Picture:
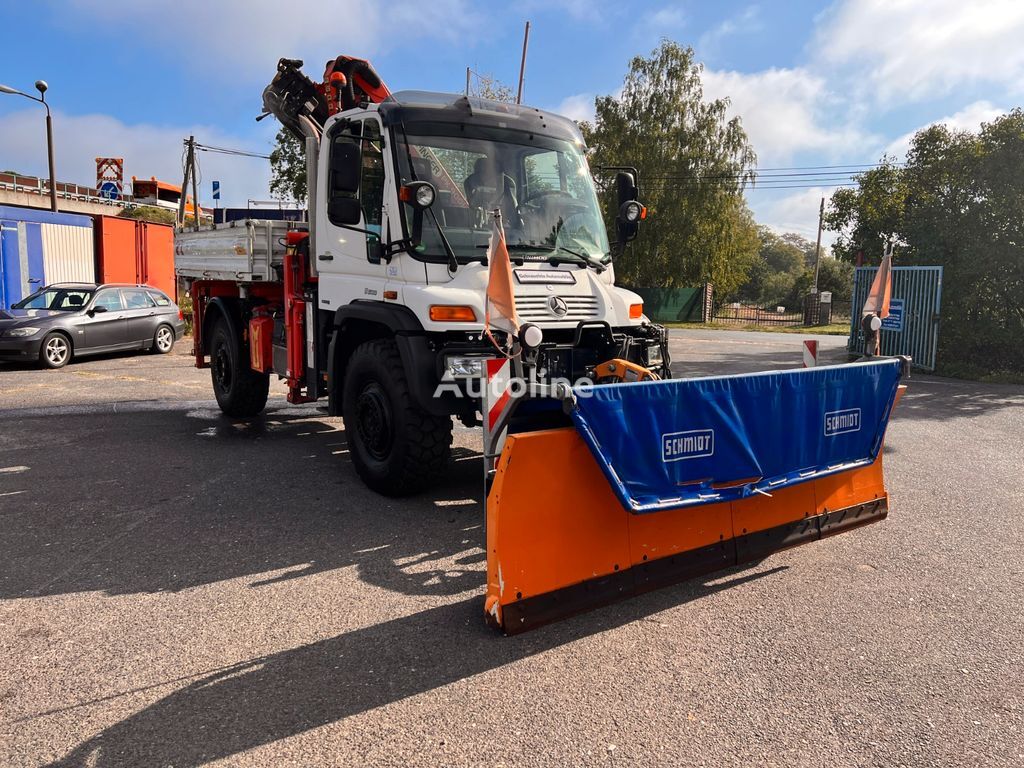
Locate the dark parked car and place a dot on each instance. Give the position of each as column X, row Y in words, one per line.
column 66, row 320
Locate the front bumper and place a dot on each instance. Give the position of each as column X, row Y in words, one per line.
column 20, row 349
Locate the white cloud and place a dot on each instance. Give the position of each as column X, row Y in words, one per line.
column 148, row 150
column 784, row 112
column 243, row 39
column 917, row 49
column 746, row 21
column 796, row 212
column 969, row 118
column 579, row 106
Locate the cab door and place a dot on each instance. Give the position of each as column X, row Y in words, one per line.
column 353, row 220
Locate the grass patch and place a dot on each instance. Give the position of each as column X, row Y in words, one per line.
column 835, row 329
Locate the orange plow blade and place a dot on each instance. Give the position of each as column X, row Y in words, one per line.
column 559, row 541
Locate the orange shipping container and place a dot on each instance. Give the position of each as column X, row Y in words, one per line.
column 130, row 251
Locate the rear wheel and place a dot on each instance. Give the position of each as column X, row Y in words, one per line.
column 55, row 351
column 241, row 392
column 163, row 340
column 397, row 448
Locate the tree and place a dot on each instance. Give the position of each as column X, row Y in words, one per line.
column 490, row 87
column 958, row 202
column 288, row 168
column 866, row 216
column 693, row 162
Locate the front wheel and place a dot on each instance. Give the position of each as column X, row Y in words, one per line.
column 241, row 392
column 55, row 351
column 397, row 447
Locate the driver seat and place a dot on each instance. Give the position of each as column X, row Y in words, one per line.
column 487, row 187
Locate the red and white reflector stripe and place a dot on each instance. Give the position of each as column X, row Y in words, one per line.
column 497, row 389
column 810, row 353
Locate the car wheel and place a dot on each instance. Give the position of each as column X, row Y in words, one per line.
column 241, row 392
column 55, row 351
column 397, row 448
column 163, row 340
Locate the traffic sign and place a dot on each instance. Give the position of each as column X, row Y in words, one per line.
column 216, row 190
column 109, row 190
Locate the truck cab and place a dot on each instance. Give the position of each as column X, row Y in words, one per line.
column 380, row 304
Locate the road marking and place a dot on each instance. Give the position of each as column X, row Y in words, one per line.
column 12, row 470
column 12, row 493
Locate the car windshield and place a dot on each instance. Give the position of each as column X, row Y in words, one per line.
column 64, row 299
column 542, row 186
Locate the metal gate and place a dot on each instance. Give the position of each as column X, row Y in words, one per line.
column 912, row 327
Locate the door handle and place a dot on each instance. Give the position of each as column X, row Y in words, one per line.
column 326, row 257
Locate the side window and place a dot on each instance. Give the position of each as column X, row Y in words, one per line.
column 110, row 300
column 160, row 299
column 371, row 180
column 136, row 299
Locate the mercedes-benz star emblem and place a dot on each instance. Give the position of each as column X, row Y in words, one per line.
column 557, row 306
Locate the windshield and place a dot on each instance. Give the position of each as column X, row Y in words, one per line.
column 541, row 185
column 65, row 299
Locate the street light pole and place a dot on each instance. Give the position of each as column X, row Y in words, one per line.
column 41, row 86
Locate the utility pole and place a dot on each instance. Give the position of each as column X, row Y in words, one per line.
column 817, row 248
column 195, row 184
column 522, row 65
column 467, row 81
column 184, row 182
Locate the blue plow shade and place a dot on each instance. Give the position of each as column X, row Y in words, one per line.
column 674, row 443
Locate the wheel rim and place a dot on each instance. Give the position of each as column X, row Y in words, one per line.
column 57, row 351
column 221, row 367
column 163, row 339
column 373, row 421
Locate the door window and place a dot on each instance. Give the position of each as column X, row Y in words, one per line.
column 109, row 300
column 135, row 299
column 371, row 181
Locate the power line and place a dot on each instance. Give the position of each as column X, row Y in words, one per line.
column 229, row 151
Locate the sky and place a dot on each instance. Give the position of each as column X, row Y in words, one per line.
column 815, row 84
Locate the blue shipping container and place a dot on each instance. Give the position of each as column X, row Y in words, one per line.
column 40, row 247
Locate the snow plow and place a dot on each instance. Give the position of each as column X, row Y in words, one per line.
column 657, row 482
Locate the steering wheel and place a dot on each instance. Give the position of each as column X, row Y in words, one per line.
column 548, row 193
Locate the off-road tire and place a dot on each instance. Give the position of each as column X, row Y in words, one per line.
column 397, row 448
column 241, row 392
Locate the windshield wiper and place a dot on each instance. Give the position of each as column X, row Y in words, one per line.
column 582, row 257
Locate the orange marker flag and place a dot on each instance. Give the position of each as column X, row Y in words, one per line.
column 881, row 289
column 500, row 293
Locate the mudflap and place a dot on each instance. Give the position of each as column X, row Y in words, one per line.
column 561, row 539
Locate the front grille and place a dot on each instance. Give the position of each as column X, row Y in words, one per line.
column 535, row 309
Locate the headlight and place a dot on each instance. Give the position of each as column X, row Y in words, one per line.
column 459, row 367
column 654, row 357
column 20, row 333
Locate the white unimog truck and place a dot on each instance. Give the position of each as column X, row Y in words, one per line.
column 381, row 297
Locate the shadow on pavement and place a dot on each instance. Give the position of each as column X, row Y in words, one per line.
column 164, row 501
column 933, row 398
column 276, row 696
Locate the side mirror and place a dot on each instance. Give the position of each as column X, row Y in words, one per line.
column 96, row 310
column 631, row 213
column 344, row 210
column 344, row 169
column 420, row 195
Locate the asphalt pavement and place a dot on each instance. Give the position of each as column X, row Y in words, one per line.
column 178, row 589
